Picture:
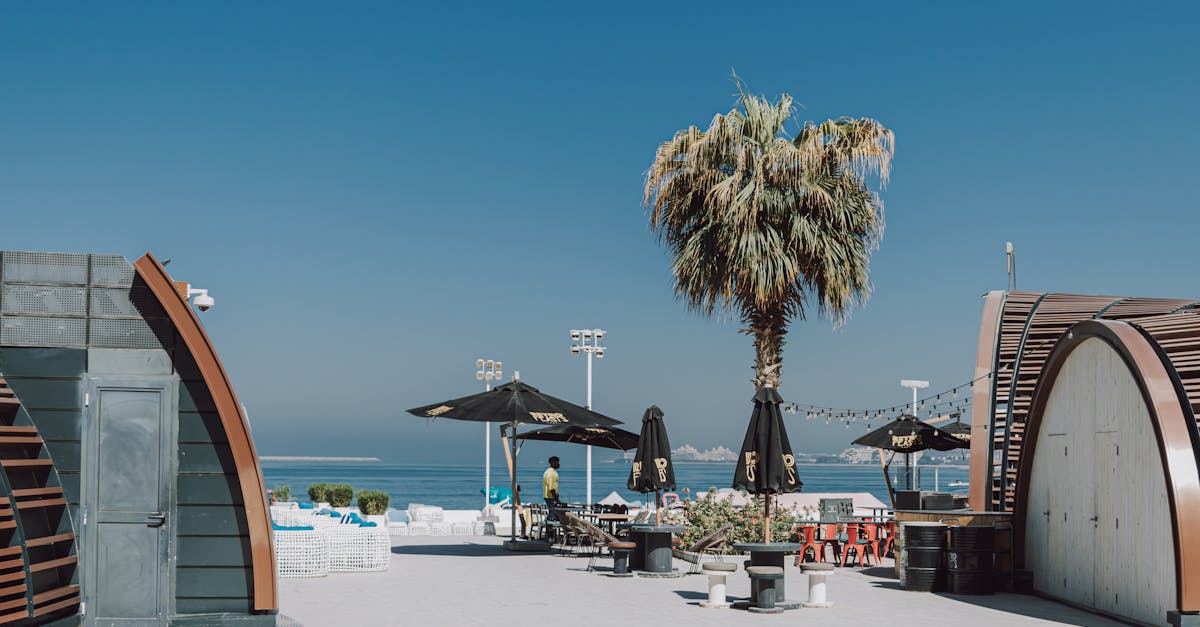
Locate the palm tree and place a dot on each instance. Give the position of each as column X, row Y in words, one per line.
column 759, row 222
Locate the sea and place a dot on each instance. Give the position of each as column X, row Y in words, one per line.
column 461, row 487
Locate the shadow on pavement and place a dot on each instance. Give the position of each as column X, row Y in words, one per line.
column 453, row 550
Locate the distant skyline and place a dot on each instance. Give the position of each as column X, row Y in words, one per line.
column 377, row 194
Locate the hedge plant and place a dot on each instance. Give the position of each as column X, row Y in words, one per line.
column 707, row 514
column 283, row 493
column 373, row 502
column 340, row 494
column 318, row 492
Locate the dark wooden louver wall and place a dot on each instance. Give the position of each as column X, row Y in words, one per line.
column 37, row 544
column 1030, row 326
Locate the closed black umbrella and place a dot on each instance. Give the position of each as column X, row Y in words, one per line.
column 606, row 437
column 515, row 403
column 908, row 435
column 652, row 469
column 766, row 464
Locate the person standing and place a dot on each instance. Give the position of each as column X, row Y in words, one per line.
column 550, row 487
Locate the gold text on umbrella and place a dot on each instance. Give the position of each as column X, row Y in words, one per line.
column 637, row 471
column 661, row 464
column 904, row 441
column 789, row 464
column 548, row 417
column 751, row 464
column 438, row 411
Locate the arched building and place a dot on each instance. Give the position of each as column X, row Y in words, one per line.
column 130, row 490
column 1084, row 428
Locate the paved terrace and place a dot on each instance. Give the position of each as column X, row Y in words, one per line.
column 471, row 580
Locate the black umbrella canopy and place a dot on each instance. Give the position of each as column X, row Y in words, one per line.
column 906, row 434
column 959, row 430
column 652, row 469
column 766, row 463
column 515, row 401
column 606, row 437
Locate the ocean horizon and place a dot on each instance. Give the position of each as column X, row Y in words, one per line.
column 460, row 487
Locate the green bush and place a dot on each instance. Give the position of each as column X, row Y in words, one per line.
column 318, row 492
column 705, row 515
column 340, row 494
column 283, row 493
column 373, row 502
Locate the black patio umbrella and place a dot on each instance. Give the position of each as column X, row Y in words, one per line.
column 652, row 469
column 606, row 437
column 908, row 435
column 766, row 464
column 515, row 403
column 959, row 430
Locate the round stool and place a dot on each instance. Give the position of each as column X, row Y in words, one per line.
column 816, row 583
column 621, row 551
column 717, row 571
column 766, row 578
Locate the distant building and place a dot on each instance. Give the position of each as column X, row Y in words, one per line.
column 689, row 453
column 857, row 455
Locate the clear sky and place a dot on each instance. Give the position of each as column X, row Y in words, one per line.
column 377, row 194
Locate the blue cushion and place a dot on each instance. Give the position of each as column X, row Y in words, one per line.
column 294, row 528
column 324, row 512
column 307, row 506
column 366, row 524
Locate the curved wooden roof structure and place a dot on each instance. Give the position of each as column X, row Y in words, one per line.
column 250, row 477
column 1018, row 332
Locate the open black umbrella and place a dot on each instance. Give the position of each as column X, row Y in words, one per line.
column 908, row 435
column 959, row 430
column 652, row 470
column 606, row 437
column 515, row 403
column 766, row 464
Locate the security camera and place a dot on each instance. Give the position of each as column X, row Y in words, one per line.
column 202, row 300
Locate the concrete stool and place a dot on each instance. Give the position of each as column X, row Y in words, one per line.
column 621, row 551
column 766, row 577
column 816, row 583
column 717, row 571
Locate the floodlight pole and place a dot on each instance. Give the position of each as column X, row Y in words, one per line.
column 915, row 385
column 588, row 341
column 486, row 371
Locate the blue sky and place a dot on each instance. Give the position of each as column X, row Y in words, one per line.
column 377, row 194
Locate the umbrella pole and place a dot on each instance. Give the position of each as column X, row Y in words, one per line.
column 658, row 508
column 887, row 478
column 512, row 474
column 767, row 517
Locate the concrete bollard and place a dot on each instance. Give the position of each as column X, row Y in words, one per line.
column 817, row 574
column 717, row 573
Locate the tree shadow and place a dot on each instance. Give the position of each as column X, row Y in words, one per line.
column 453, row 550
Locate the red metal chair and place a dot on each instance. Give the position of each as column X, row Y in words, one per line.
column 829, row 536
column 810, row 542
column 862, row 547
column 890, row 542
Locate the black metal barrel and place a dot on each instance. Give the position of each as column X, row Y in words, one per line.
column 924, row 556
column 971, row 560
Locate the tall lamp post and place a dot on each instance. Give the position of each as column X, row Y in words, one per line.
column 487, row 371
column 915, row 385
column 588, row 342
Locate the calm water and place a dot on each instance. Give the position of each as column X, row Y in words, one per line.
column 454, row 487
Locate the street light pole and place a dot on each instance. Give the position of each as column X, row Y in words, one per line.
column 487, row 371
column 915, row 385
column 588, row 341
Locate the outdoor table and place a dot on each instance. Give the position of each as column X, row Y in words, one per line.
column 770, row 554
column 611, row 520
column 653, row 554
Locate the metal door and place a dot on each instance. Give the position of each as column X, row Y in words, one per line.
column 127, row 509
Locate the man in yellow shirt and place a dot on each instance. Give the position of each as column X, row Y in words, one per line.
column 550, row 487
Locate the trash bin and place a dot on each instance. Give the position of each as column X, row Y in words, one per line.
column 924, row 556
column 970, row 560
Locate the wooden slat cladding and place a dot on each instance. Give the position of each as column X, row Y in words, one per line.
column 1029, row 329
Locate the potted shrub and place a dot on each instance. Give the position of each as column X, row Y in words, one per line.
column 283, row 493
column 373, row 505
column 319, row 494
column 340, row 494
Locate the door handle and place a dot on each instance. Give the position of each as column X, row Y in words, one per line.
column 156, row 520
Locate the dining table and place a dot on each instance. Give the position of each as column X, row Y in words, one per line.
column 770, row 554
column 653, row 552
column 610, row 521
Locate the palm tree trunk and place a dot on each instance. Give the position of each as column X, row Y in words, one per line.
column 768, row 326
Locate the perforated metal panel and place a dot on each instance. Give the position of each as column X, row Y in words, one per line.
column 41, row 331
column 44, row 299
column 124, row 302
column 27, row 267
column 128, row 333
column 111, row 271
